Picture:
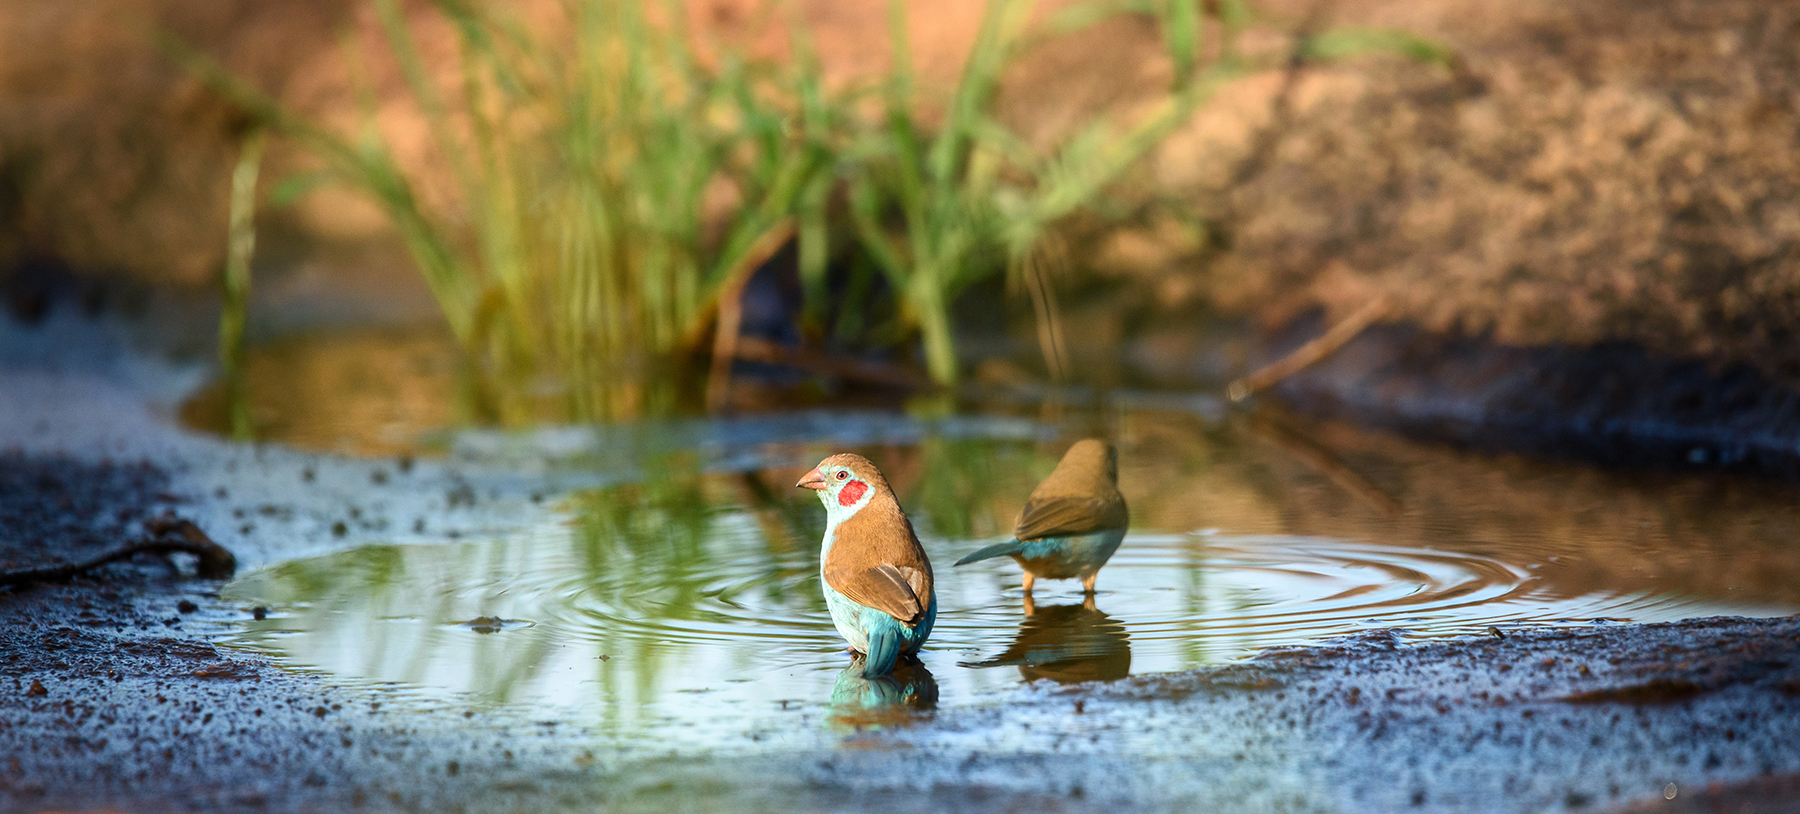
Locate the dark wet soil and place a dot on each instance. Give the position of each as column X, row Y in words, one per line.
column 1615, row 404
column 55, row 510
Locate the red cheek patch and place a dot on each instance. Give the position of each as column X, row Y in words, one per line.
column 852, row 492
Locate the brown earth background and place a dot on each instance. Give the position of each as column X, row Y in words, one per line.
column 1600, row 170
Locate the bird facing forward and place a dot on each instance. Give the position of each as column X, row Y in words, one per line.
column 1073, row 521
column 877, row 580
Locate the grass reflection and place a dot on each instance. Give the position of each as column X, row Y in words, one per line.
column 654, row 531
column 691, row 596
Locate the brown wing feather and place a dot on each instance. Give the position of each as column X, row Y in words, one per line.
column 883, row 588
column 1057, row 515
column 876, row 560
column 1081, row 496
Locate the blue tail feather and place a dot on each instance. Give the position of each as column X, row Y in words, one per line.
column 885, row 642
column 995, row 550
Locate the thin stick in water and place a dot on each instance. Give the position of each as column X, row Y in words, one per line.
column 1310, row 353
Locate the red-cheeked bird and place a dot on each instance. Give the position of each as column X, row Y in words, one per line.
column 1073, row 521
column 877, row 579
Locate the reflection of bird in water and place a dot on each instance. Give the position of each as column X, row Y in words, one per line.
column 1066, row 644
column 877, row 580
column 860, row 701
column 1073, row 521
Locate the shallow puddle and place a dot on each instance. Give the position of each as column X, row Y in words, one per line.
column 685, row 608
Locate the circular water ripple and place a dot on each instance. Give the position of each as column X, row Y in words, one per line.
column 1171, row 588
column 1186, row 599
column 655, row 634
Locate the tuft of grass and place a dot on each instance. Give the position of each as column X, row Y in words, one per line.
column 582, row 252
column 235, row 281
column 579, row 248
column 973, row 199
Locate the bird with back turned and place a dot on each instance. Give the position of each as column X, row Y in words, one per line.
column 1073, row 521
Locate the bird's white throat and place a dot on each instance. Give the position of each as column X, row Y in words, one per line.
column 836, row 513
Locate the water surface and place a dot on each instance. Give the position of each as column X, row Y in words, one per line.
column 683, row 607
column 686, row 607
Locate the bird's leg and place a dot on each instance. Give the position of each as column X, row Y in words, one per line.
column 1029, row 579
column 1087, row 583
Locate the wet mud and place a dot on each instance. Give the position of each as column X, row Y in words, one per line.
column 73, row 509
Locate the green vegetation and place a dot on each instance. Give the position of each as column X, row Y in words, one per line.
column 578, row 243
column 610, row 185
column 972, row 196
column 235, row 288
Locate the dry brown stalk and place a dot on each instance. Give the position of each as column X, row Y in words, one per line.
column 1310, row 353
column 731, row 295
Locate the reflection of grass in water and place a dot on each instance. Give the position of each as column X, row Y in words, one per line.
column 647, row 537
column 651, row 533
column 375, row 579
column 355, row 598
column 649, row 550
column 961, row 481
column 667, row 528
column 370, row 571
column 654, row 544
column 661, row 555
column 650, row 547
column 1194, row 596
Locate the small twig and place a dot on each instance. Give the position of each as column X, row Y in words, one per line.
column 1049, row 315
column 1310, row 353
column 216, row 561
column 171, row 536
column 731, row 301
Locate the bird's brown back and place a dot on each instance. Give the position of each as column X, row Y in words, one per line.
column 1080, row 496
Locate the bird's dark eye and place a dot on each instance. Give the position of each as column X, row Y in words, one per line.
column 842, row 474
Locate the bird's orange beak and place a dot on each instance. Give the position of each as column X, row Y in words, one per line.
column 812, row 480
